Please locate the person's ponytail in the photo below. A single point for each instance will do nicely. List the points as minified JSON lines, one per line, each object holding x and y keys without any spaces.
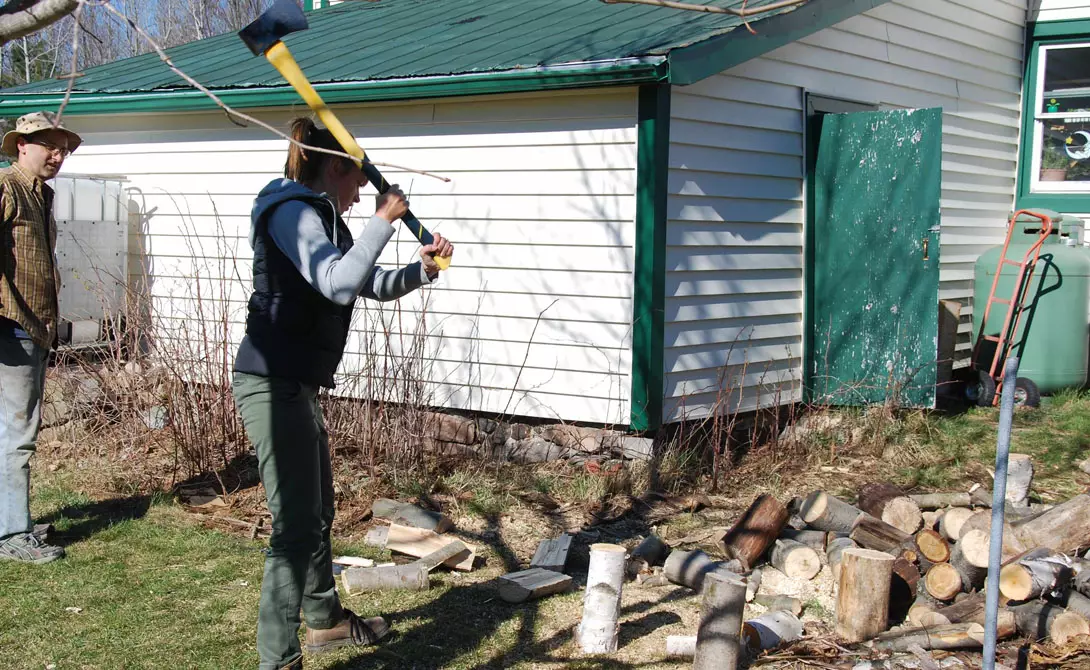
{"x":305,"y":166}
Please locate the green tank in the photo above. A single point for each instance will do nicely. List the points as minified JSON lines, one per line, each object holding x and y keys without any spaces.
{"x":1053,"y":341}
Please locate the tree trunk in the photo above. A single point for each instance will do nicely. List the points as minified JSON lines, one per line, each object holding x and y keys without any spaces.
{"x":970,"y":558}
{"x":1064,"y":528}
{"x":718,"y":638}
{"x":932,"y":546}
{"x":822,"y":511}
{"x":951,"y":522}
{"x":771,"y":630}
{"x":795,"y":559}
{"x":649,"y":553}
{"x":885,"y":501}
{"x":602,"y":600}
{"x":862,"y":604}
{"x":1035,"y":574}
{"x":872,"y":533}
{"x":411,"y":576}
{"x":835,"y":552}
{"x":755,"y":531}
{"x":943,"y":581}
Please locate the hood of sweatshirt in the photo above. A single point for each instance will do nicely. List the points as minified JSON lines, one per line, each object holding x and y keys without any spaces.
{"x":275,"y":192}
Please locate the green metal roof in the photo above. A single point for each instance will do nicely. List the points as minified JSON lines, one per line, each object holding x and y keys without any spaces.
{"x":392,"y":49}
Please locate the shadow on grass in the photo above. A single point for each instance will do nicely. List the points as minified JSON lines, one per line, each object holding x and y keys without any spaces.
{"x":75,"y":523}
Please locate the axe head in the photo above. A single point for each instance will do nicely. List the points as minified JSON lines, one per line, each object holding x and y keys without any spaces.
{"x":281,"y":19}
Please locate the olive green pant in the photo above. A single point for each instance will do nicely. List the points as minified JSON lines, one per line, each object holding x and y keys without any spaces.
{"x":284,"y":423}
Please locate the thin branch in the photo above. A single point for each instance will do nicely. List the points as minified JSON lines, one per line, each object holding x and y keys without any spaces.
{"x":234,"y":112}
{"x":72,"y":74}
{"x":710,"y":9}
{"x":18,"y":19}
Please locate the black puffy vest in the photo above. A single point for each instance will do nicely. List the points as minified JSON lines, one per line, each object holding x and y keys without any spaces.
{"x":292,"y":330}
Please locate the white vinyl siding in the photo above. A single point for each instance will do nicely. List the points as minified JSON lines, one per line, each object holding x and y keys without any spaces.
{"x":736,"y":206}
{"x":533,"y":316}
{"x":1059,"y":10}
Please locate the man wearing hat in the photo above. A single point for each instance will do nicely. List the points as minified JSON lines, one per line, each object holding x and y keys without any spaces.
{"x":28,"y":317}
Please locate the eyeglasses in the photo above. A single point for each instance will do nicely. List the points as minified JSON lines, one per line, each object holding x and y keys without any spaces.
{"x":63,"y":152}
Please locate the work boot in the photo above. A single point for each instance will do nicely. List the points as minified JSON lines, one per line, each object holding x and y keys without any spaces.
{"x":352,"y":630}
{"x":29,"y":548}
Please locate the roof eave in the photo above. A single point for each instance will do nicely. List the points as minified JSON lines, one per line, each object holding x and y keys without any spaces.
{"x":626,"y":71}
{"x":691,"y":63}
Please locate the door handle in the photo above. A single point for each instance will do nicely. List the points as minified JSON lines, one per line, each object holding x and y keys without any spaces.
{"x":926,"y":243}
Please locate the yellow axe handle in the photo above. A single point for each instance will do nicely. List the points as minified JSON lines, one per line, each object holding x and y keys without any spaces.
{"x":285,"y":63}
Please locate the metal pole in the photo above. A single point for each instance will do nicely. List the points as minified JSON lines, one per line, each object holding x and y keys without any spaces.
{"x":999,"y":495}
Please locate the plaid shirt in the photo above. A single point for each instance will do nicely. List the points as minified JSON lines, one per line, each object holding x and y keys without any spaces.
{"x":28,"y":274}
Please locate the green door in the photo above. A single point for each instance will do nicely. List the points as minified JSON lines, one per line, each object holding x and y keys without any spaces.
{"x":874,"y":241}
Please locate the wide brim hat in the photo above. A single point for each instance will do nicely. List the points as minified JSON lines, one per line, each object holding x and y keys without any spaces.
{"x":33,"y":123}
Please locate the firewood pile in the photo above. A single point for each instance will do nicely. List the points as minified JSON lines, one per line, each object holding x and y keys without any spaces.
{"x":908,"y":571}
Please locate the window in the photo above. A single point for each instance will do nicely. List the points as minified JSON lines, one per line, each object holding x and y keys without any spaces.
{"x":1061,"y":138}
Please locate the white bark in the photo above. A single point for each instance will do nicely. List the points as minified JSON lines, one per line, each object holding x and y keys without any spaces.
{"x":602,"y":601}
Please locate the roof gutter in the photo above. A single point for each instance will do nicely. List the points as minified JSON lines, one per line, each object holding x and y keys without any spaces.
{"x":626,"y":71}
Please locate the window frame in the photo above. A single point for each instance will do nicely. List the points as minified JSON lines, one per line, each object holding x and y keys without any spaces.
{"x":1039,"y":118}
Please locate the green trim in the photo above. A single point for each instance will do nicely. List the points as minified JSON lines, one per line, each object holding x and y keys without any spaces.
{"x":1061,"y":202}
{"x":690,"y":64}
{"x":613,"y":74}
{"x":308,"y":5}
{"x":649,"y":290}
{"x":1052,"y":29}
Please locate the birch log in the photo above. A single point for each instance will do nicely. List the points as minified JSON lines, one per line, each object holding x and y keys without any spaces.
{"x":863,"y":596}
{"x":1019,"y":479}
{"x":411,"y":576}
{"x":718,"y":638}
{"x":1035,"y":574}
{"x":755,"y":531}
{"x":647,"y":554}
{"x":753,"y":584}
{"x":795,"y":559}
{"x":771,"y":630}
{"x":602,"y":600}
{"x":688,"y":568}
{"x":822,"y":511}
{"x":885,"y":501}
{"x":681,"y":647}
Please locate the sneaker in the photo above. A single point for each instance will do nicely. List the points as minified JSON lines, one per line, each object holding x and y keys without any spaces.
{"x":351,"y":631}
{"x":29,"y":548}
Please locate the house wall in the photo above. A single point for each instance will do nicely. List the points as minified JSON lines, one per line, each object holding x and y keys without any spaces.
{"x":1059,"y":10}
{"x":533,"y":318}
{"x":734,"y":304}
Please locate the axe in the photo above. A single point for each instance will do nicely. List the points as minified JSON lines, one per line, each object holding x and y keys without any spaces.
{"x":264,"y":37}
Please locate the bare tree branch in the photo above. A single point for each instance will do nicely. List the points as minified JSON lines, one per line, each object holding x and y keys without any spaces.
{"x":711,"y":9}
{"x":73,"y":71}
{"x":21,"y":18}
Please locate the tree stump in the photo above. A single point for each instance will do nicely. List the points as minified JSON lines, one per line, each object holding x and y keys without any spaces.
{"x":822,"y":511}
{"x":718,"y":638}
{"x":885,"y":501}
{"x":862,"y":604}
{"x":755,"y":531}
{"x":602,"y":601}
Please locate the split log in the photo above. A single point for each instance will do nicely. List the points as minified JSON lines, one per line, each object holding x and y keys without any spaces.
{"x":931,"y":519}
{"x":902,"y":589}
{"x":863,"y":599}
{"x":786,"y":603}
{"x":885,"y":501}
{"x":835,"y":552}
{"x":689,"y":568}
{"x":377,"y":536}
{"x":753,"y":583}
{"x":951,"y":522}
{"x":970,"y":558}
{"x":418,"y":543}
{"x":1035,"y":574}
{"x":552,"y":554}
{"x":795,"y":522}
{"x":943,"y":581}
{"x":755,"y":531}
{"x":951,"y":636}
{"x":770,"y":631}
{"x":1034,"y":619}
{"x":1068,"y":625}
{"x":407,"y":514}
{"x":518,"y":587}
{"x":454,"y":551}
{"x":1019,"y":479}
{"x":1064,"y":528}
{"x":411,"y":576}
{"x":872,"y":533}
{"x":822,"y":511}
{"x":681,"y":647}
{"x":932,"y":546}
{"x":718,"y":638}
{"x":815,"y":539}
{"x":647,"y":554}
{"x":795,"y":559}
{"x":602,"y":600}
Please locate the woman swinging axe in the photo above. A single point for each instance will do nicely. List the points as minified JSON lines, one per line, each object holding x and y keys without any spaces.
{"x":307,"y":274}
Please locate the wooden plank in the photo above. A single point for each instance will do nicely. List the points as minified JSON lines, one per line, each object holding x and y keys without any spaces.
{"x":518,"y":587}
{"x":552,"y":554}
{"x":418,"y":543}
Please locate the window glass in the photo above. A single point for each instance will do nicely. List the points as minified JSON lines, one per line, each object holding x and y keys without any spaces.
{"x":1065,"y":150}
{"x":1067,"y":80}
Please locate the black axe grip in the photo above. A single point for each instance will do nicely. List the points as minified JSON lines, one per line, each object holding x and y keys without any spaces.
{"x":410,"y":221}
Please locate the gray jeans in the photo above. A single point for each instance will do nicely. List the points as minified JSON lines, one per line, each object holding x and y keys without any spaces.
{"x":22,"y":377}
